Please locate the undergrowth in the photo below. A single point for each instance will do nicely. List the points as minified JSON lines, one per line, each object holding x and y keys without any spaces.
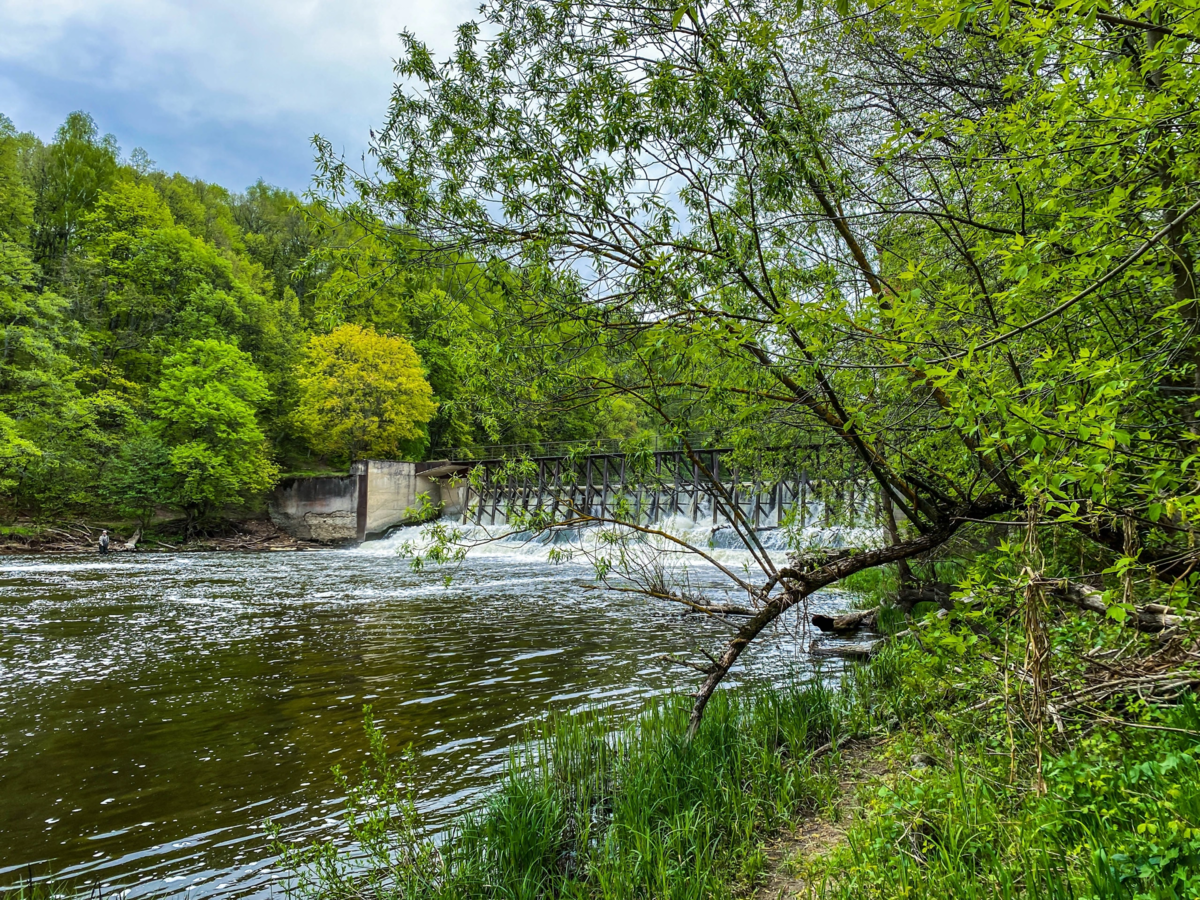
{"x":593,"y":806}
{"x":1112,"y":811}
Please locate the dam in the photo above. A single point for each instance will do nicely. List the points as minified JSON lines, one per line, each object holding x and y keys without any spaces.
{"x":644,"y":487}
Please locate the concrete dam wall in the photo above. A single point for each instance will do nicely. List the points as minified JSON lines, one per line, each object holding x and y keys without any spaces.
{"x":376,"y":495}
{"x":699,"y":485}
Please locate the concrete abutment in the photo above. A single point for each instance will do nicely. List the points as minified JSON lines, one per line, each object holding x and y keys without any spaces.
{"x":375,"y":496}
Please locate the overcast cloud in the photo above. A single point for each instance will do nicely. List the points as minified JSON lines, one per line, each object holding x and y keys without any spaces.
{"x":226,"y":90}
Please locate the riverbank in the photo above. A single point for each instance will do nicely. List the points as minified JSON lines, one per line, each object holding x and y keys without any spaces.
{"x":936,"y":768}
{"x":83,"y":537}
{"x":937,"y":771}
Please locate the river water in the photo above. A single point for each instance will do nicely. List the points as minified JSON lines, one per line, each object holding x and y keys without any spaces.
{"x":155,"y":709}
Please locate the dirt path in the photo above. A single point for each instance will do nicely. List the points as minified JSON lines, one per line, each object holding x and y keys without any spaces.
{"x":791,"y":854}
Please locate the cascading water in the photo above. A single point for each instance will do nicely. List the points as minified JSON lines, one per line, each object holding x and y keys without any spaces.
{"x":721,"y":540}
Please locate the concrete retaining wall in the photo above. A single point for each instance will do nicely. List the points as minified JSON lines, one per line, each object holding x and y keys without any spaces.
{"x":321,"y":509}
{"x":375,"y":496}
{"x":391,"y":495}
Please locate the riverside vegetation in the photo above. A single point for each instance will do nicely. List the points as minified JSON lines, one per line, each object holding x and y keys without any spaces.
{"x":965,"y":797}
{"x":944,"y":248}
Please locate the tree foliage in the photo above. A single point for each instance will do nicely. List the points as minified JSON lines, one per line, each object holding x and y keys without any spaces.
{"x":109,"y":267}
{"x":206,"y":405}
{"x":362,"y":394}
{"x":950,"y":242}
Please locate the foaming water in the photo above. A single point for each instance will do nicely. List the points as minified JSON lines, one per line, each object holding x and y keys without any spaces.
{"x":156,"y":709}
{"x":720,"y":542}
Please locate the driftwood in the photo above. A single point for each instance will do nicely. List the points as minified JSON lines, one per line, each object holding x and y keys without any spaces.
{"x":867,"y":619}
{"x":1151,"y":618}
{"x":853,"y":652}
{"x":863,"y":619}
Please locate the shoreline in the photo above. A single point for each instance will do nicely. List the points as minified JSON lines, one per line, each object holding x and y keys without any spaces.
{"x":901,"y":782}
{"x":76,"y":539}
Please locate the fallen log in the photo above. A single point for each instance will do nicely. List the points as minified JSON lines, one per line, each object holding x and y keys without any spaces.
{"x":1150,"y":618}
{"x":867,"y":619}
{"x":862,"y":619}
{"x":852,"y":652}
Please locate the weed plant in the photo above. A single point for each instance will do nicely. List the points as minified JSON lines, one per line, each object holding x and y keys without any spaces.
{"x":39,"y":889}
{"x":593,"y":806}
{"x":1115,"y":814}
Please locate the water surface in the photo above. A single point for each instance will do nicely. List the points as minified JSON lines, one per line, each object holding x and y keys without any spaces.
{"x":155,"y":709}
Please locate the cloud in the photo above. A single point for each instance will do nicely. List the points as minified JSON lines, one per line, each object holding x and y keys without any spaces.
{"x":227,"y":90}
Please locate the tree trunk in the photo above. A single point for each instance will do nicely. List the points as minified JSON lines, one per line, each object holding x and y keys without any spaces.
{"x":848,"y":622}
{"x":1151,"y":618}
{"x":800,"y":584}
{"x":889,"y":523}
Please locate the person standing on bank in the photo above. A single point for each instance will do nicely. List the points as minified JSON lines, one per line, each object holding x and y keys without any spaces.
{"x":104,"y":541}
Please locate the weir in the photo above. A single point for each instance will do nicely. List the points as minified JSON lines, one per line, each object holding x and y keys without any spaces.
{"x":645,"y":487}
{"x":377,"y":495}
{"x":655,"y":486}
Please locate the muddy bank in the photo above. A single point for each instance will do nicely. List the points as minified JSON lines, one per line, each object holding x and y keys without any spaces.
{"x":83,"y":537}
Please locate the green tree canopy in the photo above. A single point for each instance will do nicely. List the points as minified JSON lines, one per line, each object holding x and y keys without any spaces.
{"x":68,"y":176}
{"x":206,"y":406}
{"x":361,"y":393}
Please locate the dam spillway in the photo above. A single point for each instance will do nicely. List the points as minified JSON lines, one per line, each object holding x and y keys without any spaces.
{"x":643,"y":487}
{"x":656,"y":485}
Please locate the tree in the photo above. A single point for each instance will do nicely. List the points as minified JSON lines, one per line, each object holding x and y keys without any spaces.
{"x":948,"y":242}
{"x":361,"y":393}
{"x":68,"y":176}
{"x":139,"y":476}
{"x":153,"y":284}
{"x":206,"y":405}
{"x":16,"y":199}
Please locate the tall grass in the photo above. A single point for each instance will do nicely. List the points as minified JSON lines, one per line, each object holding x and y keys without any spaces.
{"x":599,"y":807}
{"x":31,"y":888}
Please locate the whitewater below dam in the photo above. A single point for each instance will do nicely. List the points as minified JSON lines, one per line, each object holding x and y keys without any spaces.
{"x":157,"y":709}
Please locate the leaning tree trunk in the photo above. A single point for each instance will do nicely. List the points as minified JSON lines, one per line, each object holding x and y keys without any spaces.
{"x":798,"y":585}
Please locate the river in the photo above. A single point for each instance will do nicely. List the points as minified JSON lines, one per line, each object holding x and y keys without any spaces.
{"x":155,"y":709}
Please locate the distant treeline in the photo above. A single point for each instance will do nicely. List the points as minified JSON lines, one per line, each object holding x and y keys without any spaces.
{"x":170,"y":343}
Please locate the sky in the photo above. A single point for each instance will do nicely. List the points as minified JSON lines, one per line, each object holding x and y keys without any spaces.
{"x":229,"y":91}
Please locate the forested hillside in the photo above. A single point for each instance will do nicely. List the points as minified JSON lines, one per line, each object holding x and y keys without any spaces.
{"x":174,"y":345}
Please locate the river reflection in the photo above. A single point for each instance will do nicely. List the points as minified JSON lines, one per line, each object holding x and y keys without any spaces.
{"x":155,"y":709}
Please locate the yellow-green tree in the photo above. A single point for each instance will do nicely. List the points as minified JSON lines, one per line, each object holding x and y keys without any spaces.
{"x":361,"y":393}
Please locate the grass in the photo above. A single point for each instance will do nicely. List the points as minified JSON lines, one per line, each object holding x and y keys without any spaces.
{"x":598,"y":807}
{"x":872,"y":587}
{"x":35,"y":889}
{"x":1119,"y":815}
{"x":19,"y":531}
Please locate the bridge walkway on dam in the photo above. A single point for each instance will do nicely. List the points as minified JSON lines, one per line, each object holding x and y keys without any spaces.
{"x":653,"y":486}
